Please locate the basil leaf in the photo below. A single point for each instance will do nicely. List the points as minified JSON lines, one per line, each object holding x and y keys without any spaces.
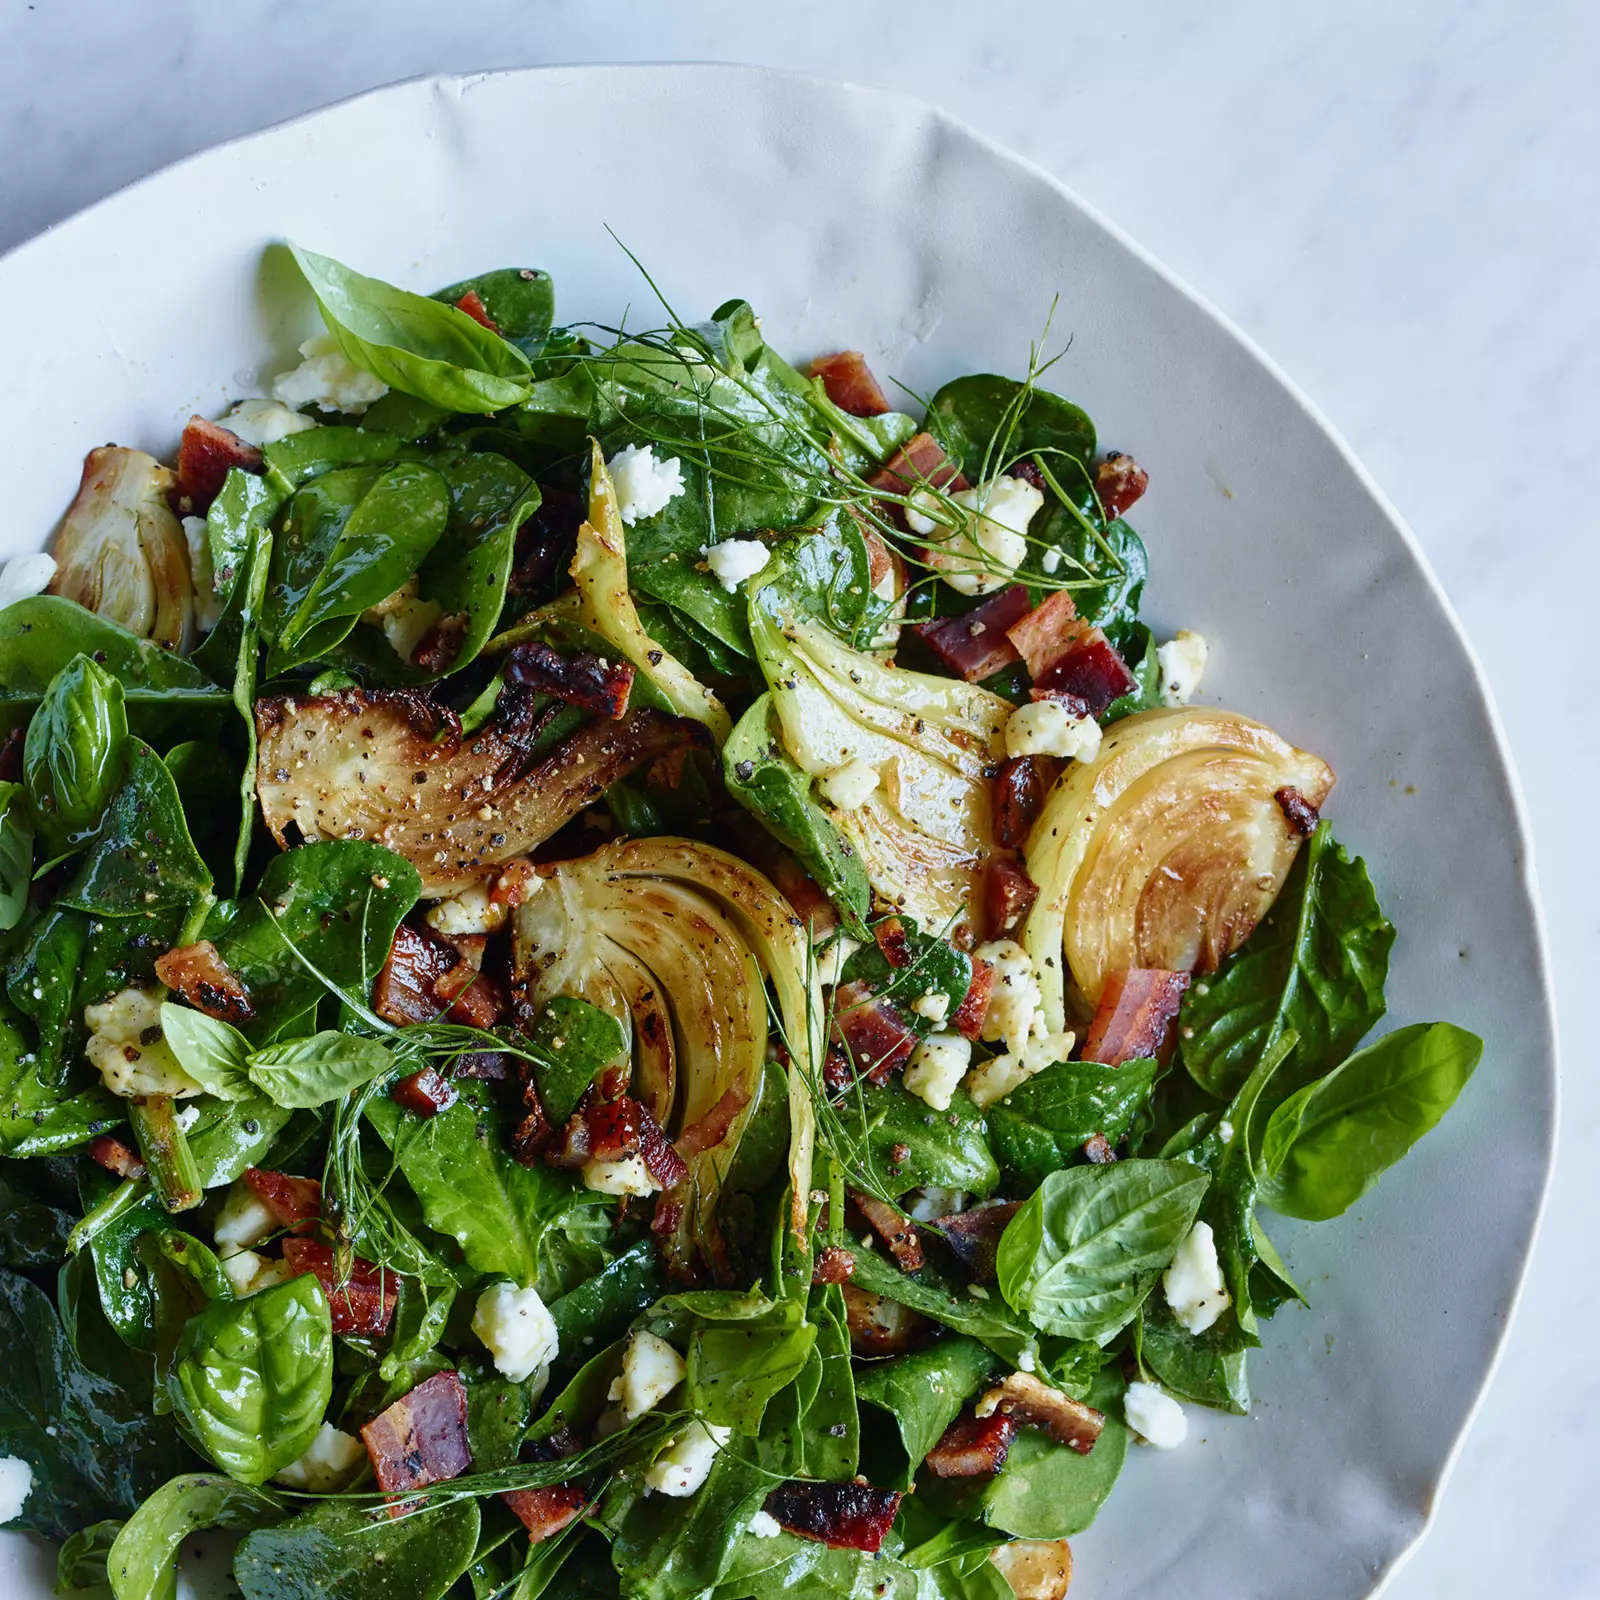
{"x":212,"y":1052}
{"x":16,"y":854}
{"x":1082,"y":1253}
{"x":143,"y":1561}
{"x":81,"y":1563}
{"x":571,"y":1041}
{"x":1043,"y":1125}
{"x":1315,"y":966}
{"x":1327,"y":1144}
{"x":301,"y":1073}
{"x":413,"y":343}
{"x":922,"y":1395}
{"x":339,"y":1548}
{"x":75,"y":753}
{"x":254,"y":1377}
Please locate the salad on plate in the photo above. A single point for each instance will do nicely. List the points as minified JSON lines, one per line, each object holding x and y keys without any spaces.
{"x":628,"y":972}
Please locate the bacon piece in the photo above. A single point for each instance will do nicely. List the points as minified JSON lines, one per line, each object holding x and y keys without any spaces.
{"x":424,"y":1094}
{"x":968,"y":1017}
{"x":1029,"y":473}
{"x":917,"y":464}
{"x":1137,"y":1008}
{"x":421,"y":1438}
{"x":206,"y":981}
{"x":973,"y":1447}
{"x":586,"y":680}
{"x":873,"y":1037}
{"x":895,"y":1230}
{"x":1097,"y":1151}
{"x":622,"y":1128}
{"x":545,"y":1512}
{"x":713,"y":1127}
{"x":295,"y":1203}
{"x":572,"y":1148}
{"x":834,"y":1264}
{"x":546,"y":539}
{"x":880,"y":1326}
{"x":1020,"y":791}
{"x":492,"y":1064}
{"x":1024,"y":1397}
{"x":1047,"y":632}
{"x":480,"y":1005}
{"x":116,"y":1157}
{"x":1298,"y":812}
{"x":363,"y":1304}
{"x":472,"y":303}
{"x":847,"y":1516}
{"x":1119,"y":480}
{"x":893,"y":941}
{"x":849,"y":383}
{"x":1091,"y":672}
{"x":976,"y":645}
{"x":974,"y":1236}
{"x":1008,"y":896}
{"x":207,"y":453}
{"x":518,"y":879}
{"x":404,"y":992}
{"x":441,"y":644}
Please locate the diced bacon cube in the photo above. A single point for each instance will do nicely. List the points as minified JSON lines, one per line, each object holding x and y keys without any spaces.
{"x":207,"y":454}
{"x":295,"y":1203}
{"x":893,"y":941}
{"x":1119,"y":480}
{"x":622,"y":1128}
{"x":545,"y":1512}
{"x":424,"y":1093}
{"x":847,"y":1516}
{"x":894,"y":1229}
{"x":1008,"y":896}
{"x":976,"y":645}
{"x":1020,"y":790}
{"x":1047,"y":632}
{"x":404,"y":992}
{"x":1091,"y":674}
{"x":834,"y":1264}
{"x":116,"y":1157}
{"x":591,"y":682}
{"x":968,"y":1017}
{"x":871,"y":1034}
{"x":918,"y":464}
{"x":1136,"y":1010}
{"x":206,"y":981}
{"x":974,"y":1236}
{"x":850,"y":384}
{"x":363,"y":1304}
{"x":421,"y":1438}
{"x":973,"y":1447}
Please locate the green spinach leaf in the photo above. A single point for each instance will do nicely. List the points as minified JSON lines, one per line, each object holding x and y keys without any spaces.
{"x":987,"y":422}
{"x":571,"y":1041}
{"x":75,"y":753}
{"x":913,"y":1146}
{"x":16,"y":854}
{"x":33,"y":1230}
{"x":1043,"y":1125}
{"x":142,"y":1563}
{"x":922,"y":1394}
{"x":519,"y":301}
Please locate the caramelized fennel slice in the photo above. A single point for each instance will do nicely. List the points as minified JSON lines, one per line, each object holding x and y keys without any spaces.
{"x":388,"y":767}
{"x":1165,"y":851}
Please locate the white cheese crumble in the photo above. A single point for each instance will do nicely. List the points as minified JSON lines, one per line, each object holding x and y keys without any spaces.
{"x":1047,"y":728}
{"x":1013,"y":1013}
{"x":207,"y":607}
{"x":932,"y":1202}
{"x":1225,"y":1131}
{"x":16,"y":1483}
{"x":849,"y":787}
{"x":686,"y":1463}
{"x":983,"y":554}
{"x":628,"y":1176}
{"x":187,"y":1118}
{"x":404,"y":618}
{"x":243,"y":1221}
{"x":326,"y":1463}
{"x":1155,"y":1416}
{"x":1193,"y":1284}
{"x":118,"y":1051}
{"x":644,"y":485}
{"x":923,"y":512}
{"x":994,"y":1079}
{"x":934,"y":1006}
{"x":22,"y":577}
{"x":764,"y":1525}
{"x":1182,"y":662}
{"x":519,"y":1331}
{"x":936,"y":1066}
{"x":1050,"y":561}
{"x":264,"y":422}
{"x":831,"y":961}
{"x":734,"y":560}
{"x":328,"y":379}
{"x":468,"y":913}
{"x":651,"y":1370}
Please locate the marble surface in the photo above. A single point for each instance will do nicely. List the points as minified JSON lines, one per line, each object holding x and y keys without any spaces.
{"x":1396,"y":202}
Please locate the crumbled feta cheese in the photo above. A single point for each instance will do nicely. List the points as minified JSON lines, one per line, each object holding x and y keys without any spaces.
{"x":1047,"y":728}
{"x":934,"y":1201}
{"x":404,"y":618}
{"x":936,"y":1066}
{"x":468,"y":913}
{"x":328,"y":379}
{"x":264,"y":422}
{"x":1027,"y":1359}
{"x":686,"y":1463}
{"x":16,"y":1483}
{"x":519,"y":1331}
{"x":243,"y":1221}
{"x":923,"y":512}
{"x":1225,"y":1131}
{"x":628,"y":1176}
{"x":994,"y":1079}
{"x":22,"y":577}
{"x":1182,"y":662}
{"x":644,"y":485}
{"x":831,"y":961}
{"x":207,"y":607}
{"x":126,"y":1048}
{"x":764,"y":1525}
{"x":248,"y":1273}
{"x":1014,"y":997}
{"x":1155,"y":1416}
{"x":984,"y":553}
{"x":734,"y":560}
{"x":934,"y":1006}
{"x":187,"y":1118}
{"x":651,"y":1370}
{"x":849,"y":787}
{"x":1193,"y":1284}
{"x":326,"y":1463}
{"x":1050,"y":561}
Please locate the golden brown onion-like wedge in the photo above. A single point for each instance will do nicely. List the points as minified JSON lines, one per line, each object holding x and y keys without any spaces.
{"x":386,"y":766}
{"x":1165,"y":851}
{"x":1036,"y":1569}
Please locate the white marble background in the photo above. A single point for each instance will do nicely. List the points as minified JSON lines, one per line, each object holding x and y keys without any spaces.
{"x":1401,"y":202}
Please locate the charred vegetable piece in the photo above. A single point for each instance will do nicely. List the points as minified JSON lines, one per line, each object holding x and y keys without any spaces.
{"x":879,"y":1326}
{"x":848,"y":382}
{"x":206,"y":982}
{"x":421,"y":1438}
{"x":1036,"y":1569}
{"x":847,"y":1516}
{"x":584,"y":679}
{"x":361,"y":1303}
{"x":1137,"y":1010}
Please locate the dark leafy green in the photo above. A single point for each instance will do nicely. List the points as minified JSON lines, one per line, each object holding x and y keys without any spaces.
{"x":302,"y":1073}
{"x":1043,"y":1125}
{"x":16,"y":854}
{"x":519,"y":301}
{"x":913,"y":1146}
{"x":922,"y":1394}
{"x":143,"y":1562}
{"x":571,"y":1041}
{"x":75,"y":753}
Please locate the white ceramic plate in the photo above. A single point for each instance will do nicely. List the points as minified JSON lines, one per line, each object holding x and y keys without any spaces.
{"x":854,"y":218}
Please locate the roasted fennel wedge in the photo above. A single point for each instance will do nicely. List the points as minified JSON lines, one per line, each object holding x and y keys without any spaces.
{"x":1165,"y":851}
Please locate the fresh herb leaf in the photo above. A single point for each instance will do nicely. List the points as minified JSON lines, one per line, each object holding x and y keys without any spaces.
{"x":213,"y":1053}
{"x":16,"y":854}
{"x":570,"y":1042}
{"x":75,"y":753}
{"x":301,"y":1073}
{"x":1043,"y":1125}
{"x":922,"y":1394}
{"x":142,"y":1563}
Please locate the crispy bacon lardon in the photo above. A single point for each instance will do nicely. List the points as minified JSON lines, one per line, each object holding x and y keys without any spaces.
{"x":713,"y":1127}
{"x":849,"y":383}
{"x":974,"y":1236}
{"x":621,"y":1128}
{"x":363,"y":1303}
{"x":421,"y":1438}
{"x":116,"y":1157}
{"x":1045,"y":634}
{"x":545,"y":1512}
{"x":894,"y":1229}
{"x":872,"y":1037}
{"x":976,"y":645}
{"x":1136,"y":1011}
{"x":834,"y":1264}
{"x":879,"y":1326}
{"x":1008,"y":896}
{"x":1090,"y":675}
{"x":968,"y":1017}
{"x":1119,"y":480}
{"x":295,"y":1203}
{"x":1036,"y":1569}
{"x":1024,"y":1398}
{"x":206,"y":981}
{"x":919,"y":462}
{"x":973,"y":1447}
{"x":585,"y":680}
{"x":207,"y":453}
{"x":424,"y":1094}
{"x":847,"y":1516}
{"x":1298,"y":812}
